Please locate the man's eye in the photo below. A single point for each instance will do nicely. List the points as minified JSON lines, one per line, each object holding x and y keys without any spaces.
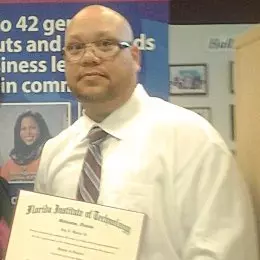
{"x":105,"y":44}
{"x":75,"y":47}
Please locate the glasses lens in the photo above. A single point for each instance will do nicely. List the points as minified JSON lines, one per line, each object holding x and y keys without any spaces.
{"x":102,"y":49}
{"x":75,"y":51}
{"x":105,"y":48}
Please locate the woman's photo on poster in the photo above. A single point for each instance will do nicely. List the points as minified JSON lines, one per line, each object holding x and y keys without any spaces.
{"x":27,"y":128}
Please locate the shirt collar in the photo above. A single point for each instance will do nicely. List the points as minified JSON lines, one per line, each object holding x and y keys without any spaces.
{"x":119,"y":122}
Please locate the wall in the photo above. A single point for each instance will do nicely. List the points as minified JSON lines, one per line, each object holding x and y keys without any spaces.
{"x":190,"y":44}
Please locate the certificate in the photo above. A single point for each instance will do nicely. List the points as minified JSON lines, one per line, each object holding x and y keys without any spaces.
{"x":52,"y":228}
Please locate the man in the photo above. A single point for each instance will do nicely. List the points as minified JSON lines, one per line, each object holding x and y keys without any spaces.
{"x":157,"y":158}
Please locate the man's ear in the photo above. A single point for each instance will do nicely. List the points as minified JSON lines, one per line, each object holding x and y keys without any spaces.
{"x":136,"y":54}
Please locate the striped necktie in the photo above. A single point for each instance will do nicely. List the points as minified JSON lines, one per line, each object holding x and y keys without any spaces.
{"x":89,"y":181}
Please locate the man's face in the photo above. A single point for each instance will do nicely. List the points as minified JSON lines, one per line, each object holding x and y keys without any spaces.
{"x":93,"y":79}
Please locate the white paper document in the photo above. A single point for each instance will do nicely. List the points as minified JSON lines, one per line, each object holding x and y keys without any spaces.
{"x":52,"y":228}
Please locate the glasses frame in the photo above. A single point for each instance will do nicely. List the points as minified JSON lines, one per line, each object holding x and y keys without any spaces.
{"x":120,"y":44}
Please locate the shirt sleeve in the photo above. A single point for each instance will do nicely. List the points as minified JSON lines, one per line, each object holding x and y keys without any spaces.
{"x":224,"y":225}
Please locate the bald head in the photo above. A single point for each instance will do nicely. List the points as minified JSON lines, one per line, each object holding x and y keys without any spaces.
{"x":99,"y":14}
{"x":104,"y":75}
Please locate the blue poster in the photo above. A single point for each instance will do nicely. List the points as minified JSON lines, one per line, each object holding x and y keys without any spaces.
{"x":33,"y":86}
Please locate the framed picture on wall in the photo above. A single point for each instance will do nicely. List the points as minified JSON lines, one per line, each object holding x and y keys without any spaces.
{"x":232,"y":122}
{"x":231,"y":77}
{"x":202,"y":111}
{"x":188,"y":79}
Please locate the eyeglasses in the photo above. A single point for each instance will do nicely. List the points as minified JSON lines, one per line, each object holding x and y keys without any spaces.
{"x":103,"y":49}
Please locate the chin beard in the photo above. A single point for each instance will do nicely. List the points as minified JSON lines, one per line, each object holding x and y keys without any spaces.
{"x":90,"y":98}
{"x":94,"y":97}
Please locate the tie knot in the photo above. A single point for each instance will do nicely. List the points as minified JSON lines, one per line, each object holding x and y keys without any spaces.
{"x":96,"y":135}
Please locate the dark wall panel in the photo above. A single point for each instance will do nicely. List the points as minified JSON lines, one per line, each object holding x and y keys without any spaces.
{"x":214,"y":11}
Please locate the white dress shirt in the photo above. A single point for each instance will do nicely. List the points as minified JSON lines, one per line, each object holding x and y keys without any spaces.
{"x":169,"y":163}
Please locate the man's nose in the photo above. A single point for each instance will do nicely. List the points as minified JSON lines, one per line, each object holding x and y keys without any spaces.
{"x":89,"y":56}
